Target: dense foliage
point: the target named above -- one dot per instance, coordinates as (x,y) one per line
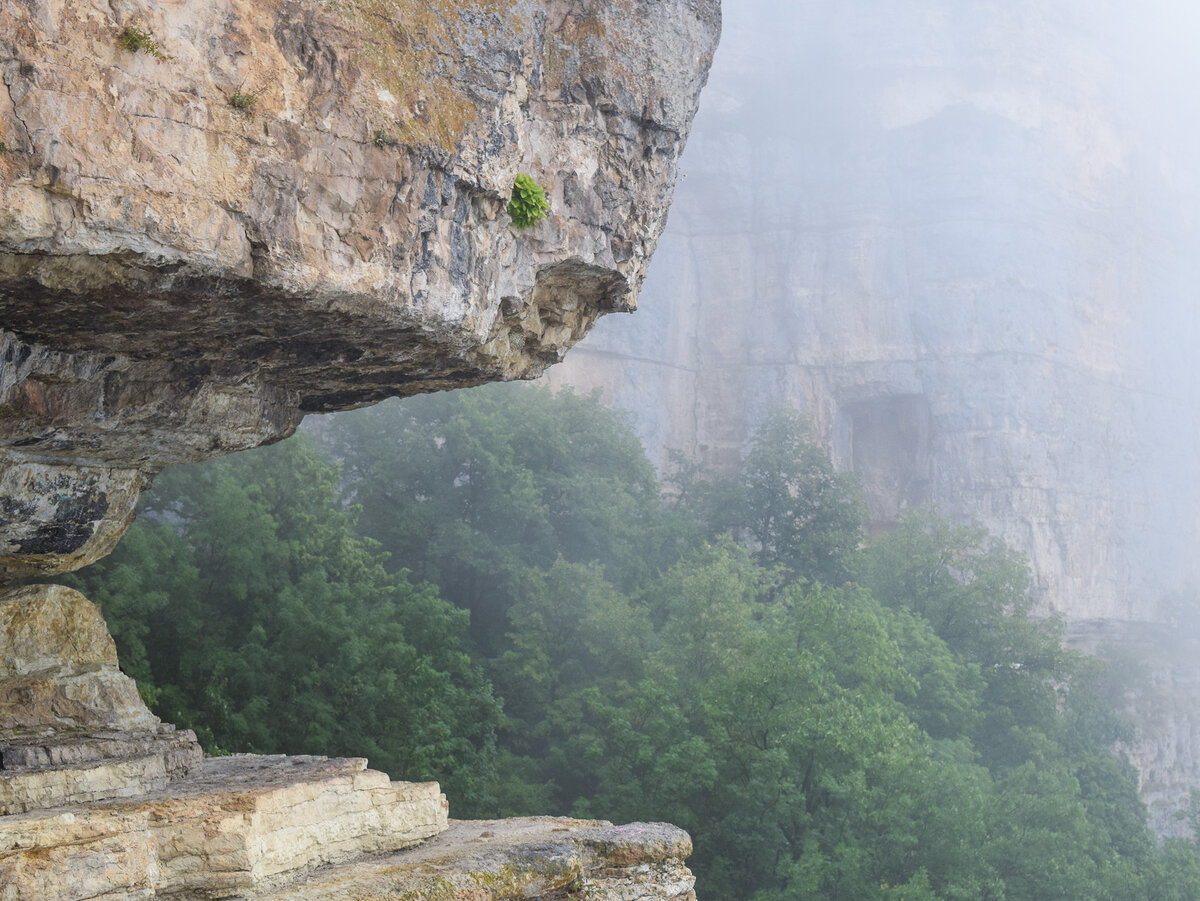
(249,608)
(828,720)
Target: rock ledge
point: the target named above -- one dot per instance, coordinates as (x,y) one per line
(542,857)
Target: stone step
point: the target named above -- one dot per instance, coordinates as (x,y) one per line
(178,746)
(97,780)
(86,769)
(235,826)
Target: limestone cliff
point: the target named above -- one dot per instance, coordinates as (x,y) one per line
(214,219)
(962,238)
(286,207)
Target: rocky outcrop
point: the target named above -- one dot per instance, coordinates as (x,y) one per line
(214,219)
(962,242)
(233,828)
(73,727)
(98,799)
(283,207)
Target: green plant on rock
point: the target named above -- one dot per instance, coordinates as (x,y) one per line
(244,100)
(528,205)
(135,39)
(382,139)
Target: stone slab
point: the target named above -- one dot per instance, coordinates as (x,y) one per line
(99,780)
(239,825)
(68,750)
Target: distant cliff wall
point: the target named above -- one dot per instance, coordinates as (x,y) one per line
(963,239)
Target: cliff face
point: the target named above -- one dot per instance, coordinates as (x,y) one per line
(962,239)
(215,218)
(288,207)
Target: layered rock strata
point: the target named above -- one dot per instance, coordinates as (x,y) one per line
(233,828)
(73,727)
(98,798)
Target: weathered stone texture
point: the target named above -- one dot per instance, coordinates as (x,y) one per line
(344,239)
(73,728)
(58,667)
(531,858)
(182,278)
(56,518)
(235,827)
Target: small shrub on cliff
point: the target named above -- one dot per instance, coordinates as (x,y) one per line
(528,205)
(135,39)
(382,139)
(244,100)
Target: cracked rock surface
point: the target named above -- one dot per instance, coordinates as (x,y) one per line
(184,273)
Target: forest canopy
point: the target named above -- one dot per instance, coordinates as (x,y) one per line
(491,588)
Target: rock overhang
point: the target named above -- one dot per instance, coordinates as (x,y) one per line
(183,275)
(344,237)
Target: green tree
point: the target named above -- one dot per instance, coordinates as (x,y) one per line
(250,608)
(916,734)
(468,489)
(785,501)
(765,717)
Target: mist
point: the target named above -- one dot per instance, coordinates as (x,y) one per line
(962,240)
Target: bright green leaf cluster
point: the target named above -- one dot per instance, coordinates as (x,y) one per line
(135,39)
(528,205)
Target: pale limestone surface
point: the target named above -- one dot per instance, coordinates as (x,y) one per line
(233,827)
(182,278)
(541,857)
(73,727)
(58,668)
